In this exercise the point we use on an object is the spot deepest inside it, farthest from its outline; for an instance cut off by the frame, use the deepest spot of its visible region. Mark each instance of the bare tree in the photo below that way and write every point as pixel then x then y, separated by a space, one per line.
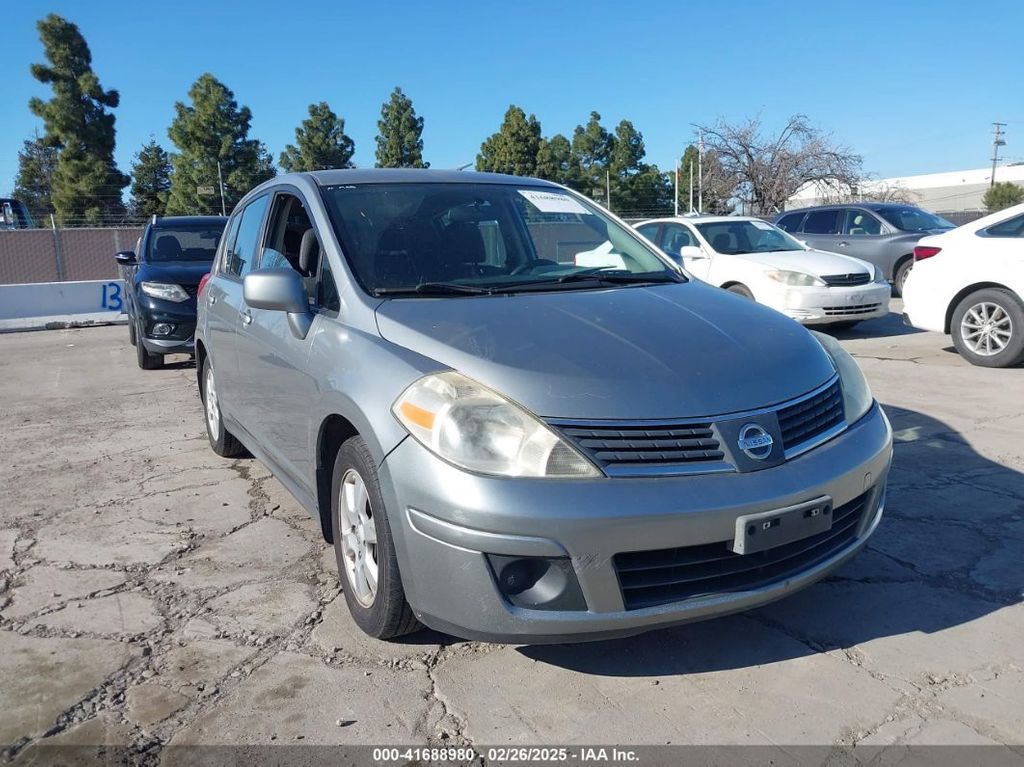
pixel 866 190
pixel 767 169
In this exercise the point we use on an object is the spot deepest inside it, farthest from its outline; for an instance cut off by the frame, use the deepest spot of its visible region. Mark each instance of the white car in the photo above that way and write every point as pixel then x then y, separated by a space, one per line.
pixel 969 282
pixel 758 260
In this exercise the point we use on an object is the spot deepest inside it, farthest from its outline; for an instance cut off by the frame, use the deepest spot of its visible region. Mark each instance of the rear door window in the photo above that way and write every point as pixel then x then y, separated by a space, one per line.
pixel 860 222
pixel 822 222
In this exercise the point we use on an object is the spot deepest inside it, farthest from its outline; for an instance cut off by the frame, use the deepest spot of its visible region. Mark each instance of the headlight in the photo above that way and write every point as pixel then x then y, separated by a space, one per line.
pixel 165 290
pixel 795 278
pixel 477 429
pixel 857 397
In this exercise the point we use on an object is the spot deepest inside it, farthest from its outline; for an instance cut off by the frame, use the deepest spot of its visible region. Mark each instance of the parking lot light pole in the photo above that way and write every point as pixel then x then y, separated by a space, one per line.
pixel 220 181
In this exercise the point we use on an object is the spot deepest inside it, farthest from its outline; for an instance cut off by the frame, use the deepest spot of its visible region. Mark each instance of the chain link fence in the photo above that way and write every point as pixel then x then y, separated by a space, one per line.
pixel 62 254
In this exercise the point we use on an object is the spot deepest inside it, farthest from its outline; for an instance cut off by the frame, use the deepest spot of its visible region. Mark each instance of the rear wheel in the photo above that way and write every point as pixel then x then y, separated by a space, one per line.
pixel 364 547
pixel 223 442
pixel 741 290
pixel 146 360
pixel 899 279
pixel 988 328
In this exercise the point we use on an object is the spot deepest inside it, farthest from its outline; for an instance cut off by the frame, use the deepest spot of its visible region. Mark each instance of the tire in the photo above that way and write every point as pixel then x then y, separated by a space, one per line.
pixel 146 360
pixel 988 328
pixel 844 325
pixel 899 278
pixel 131 333
pixel 222 442
pixel 379 609
pixel 741 290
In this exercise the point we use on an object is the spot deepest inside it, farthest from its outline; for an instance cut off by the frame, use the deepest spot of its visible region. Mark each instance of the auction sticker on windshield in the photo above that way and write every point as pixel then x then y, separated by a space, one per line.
pixel 763 225
pixel 552 202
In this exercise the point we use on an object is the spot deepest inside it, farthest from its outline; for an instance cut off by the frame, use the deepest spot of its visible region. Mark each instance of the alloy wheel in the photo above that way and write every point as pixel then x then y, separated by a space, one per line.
pixel 986 329
pixel 358 537
pixel 212 406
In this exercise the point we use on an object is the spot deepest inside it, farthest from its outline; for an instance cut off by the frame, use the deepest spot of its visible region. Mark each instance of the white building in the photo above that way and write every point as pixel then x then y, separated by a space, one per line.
pixel 953 192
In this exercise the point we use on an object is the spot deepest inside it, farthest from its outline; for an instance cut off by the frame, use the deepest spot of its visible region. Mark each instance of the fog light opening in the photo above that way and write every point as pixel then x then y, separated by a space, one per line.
pixel 162 329
pixel 538 583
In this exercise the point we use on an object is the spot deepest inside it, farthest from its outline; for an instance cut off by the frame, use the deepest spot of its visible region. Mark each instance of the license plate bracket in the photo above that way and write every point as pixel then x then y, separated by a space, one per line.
pixel 768 529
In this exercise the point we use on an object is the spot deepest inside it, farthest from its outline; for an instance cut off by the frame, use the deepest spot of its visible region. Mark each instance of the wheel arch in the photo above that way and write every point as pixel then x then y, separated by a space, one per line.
pixel 898 263
pixel 333 432
pixel 200 361
pixel 963 293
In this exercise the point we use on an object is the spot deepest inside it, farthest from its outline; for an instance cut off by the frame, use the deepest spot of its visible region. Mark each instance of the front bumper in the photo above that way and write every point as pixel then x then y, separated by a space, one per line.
pixel 446 521
pixel 817 306
pixel 181 316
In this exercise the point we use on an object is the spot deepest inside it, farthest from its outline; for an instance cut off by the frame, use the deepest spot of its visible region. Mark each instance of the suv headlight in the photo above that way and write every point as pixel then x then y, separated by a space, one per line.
pixel 857 397
pixel 477 429
pixel 800 279
pixel 165 290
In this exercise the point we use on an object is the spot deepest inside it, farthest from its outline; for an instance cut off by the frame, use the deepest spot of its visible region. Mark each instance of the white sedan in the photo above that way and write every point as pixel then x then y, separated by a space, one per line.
pixel 969 282
pixel 759 261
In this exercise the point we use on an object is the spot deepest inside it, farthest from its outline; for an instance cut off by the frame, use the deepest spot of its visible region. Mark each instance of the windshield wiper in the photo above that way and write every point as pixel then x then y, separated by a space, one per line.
pixel 436 289
pixel 609 278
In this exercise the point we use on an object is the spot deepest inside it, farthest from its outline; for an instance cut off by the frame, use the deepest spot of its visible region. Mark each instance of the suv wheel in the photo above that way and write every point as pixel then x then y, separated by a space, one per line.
pixel 899 279
pixel 223 442
pixel 364 547
pixel 988 328
pixel 741 290
pixel 131 333
pixel 146 360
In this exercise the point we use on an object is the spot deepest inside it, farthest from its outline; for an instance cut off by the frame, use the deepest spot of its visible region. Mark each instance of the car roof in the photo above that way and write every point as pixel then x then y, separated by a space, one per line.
pixel 869 205
pixel 413 176
pixel 698 219
pixel 184 222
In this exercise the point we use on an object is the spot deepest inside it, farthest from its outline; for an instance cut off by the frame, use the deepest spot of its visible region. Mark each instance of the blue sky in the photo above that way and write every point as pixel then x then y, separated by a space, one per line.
pixel 912 86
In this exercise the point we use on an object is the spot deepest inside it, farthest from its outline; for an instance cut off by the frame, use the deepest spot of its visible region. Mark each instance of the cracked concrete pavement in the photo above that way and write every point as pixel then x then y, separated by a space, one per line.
pixel 152 593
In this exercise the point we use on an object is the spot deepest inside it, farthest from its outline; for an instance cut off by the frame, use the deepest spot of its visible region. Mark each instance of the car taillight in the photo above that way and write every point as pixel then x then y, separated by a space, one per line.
pixel 921 252
pixel 202 283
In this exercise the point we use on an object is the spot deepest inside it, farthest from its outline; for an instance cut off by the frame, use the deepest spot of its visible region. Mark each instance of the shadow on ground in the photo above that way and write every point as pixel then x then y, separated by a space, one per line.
pixel 890 326
pixel 946 553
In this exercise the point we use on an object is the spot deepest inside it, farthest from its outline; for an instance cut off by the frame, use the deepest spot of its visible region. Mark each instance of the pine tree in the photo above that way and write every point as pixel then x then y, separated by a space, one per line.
pixel 86 184
pixel 37 163
pixel 555 161
pixel 399 142
pixel 213 128
pixel 151 180
pixel 637 187
pixel 591 152
pixel 320 142
pixel 514 148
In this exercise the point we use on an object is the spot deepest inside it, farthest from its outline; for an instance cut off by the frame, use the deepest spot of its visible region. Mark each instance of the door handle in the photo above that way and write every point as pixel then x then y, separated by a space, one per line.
pixel 246 317
pixel 211 300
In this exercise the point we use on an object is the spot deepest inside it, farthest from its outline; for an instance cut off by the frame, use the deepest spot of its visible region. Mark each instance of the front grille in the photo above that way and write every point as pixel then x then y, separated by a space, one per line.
pixel 624 445
pixel 811 417
pixel 843 280
pixel 650 578
pixel 833 311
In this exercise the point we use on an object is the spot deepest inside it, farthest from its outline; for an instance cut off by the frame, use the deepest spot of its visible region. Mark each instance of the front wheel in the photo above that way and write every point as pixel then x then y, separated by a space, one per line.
pixel 144 358
pixel 222 442
pixel 900 278
pixel 741 290
pixel 364 547
pixel 988 328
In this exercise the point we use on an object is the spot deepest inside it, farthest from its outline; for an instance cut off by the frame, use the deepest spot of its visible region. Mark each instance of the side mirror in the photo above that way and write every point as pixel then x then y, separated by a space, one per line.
pixel 691 251
pixel 125 258
pixel 280 290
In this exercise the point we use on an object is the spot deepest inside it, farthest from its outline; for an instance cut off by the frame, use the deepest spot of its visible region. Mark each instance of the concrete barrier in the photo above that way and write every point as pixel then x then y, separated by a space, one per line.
pixel 61 304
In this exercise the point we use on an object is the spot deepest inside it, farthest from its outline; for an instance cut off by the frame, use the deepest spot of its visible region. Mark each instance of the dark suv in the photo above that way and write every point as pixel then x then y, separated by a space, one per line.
pixel 882 233
pixel 162 280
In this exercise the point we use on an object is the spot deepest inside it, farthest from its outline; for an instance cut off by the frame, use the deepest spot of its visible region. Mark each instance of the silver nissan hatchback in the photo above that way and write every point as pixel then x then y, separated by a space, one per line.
pixel 516 420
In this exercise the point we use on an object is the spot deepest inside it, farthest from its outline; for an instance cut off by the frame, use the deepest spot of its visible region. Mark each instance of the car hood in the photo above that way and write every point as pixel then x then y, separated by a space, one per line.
pixel 816 262
pixel 177 272
pixel 666 351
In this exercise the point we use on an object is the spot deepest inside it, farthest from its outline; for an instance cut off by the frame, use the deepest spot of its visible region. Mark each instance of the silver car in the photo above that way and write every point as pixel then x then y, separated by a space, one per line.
pixel 516 421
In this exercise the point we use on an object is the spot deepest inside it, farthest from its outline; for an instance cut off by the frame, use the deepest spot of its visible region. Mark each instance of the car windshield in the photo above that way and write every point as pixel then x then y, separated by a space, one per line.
pixel 737 237
pixel 193 244
pixel 911 219
pixel 466 238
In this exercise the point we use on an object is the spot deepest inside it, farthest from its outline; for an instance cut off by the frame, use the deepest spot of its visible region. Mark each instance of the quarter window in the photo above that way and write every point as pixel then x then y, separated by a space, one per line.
pixel 1012 227
pixel 242 250
pixel 822 222
pixel 790 222
pixel 650 231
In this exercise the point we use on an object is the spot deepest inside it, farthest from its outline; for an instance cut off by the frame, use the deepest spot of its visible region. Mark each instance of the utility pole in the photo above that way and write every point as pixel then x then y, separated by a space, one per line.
pixel 675 187
pixel 700 174
pixel 691 186
pixel 997 141
pixel 608 187
pixel 220 181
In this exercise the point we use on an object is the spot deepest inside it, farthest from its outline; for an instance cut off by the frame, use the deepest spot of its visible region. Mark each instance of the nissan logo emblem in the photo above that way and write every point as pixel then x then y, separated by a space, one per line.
pixel 755 441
